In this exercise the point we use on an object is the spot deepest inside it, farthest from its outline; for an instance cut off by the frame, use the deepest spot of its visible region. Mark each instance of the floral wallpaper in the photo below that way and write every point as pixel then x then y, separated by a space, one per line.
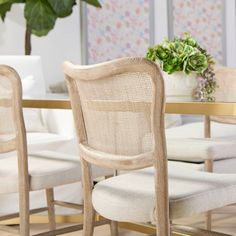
pixel 120 28
pixel 204 19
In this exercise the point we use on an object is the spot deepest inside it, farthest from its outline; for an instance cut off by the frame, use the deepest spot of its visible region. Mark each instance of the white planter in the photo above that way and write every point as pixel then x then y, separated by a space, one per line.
pixel 180 84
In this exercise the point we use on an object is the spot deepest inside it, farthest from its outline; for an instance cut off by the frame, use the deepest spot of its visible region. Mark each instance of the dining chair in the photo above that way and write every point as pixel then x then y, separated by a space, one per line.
pixel 209 150
pixel 118 109
pixel 226 81
pixel 22 173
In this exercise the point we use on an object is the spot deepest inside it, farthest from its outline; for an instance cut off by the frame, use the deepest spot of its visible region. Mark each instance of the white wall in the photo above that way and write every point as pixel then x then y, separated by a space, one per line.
pixel 63 43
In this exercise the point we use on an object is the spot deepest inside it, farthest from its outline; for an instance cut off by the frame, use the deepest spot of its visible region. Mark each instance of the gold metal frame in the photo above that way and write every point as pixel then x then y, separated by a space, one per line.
pixel 197 108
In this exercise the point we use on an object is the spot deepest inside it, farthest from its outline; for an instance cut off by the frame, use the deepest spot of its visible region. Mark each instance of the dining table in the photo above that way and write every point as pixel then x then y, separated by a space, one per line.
pixel 222 106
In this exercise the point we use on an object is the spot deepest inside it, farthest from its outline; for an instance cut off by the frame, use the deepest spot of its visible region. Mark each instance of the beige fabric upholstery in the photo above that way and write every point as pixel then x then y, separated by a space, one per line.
pixel 130 197
pixel 196 130
pixel 47 169
pixel 196 149
pixel 200 149
pixel 220 166
pixel 186 143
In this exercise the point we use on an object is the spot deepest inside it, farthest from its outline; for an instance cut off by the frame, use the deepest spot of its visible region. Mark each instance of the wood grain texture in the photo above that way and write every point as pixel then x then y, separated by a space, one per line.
pixel 51 208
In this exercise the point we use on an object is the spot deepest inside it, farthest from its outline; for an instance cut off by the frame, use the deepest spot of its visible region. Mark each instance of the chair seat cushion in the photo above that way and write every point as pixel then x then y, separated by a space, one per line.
pixel 48 141
pixel 200 149
pixel 196 130
pixel 131 197
pixel 220 166
pixel 46 169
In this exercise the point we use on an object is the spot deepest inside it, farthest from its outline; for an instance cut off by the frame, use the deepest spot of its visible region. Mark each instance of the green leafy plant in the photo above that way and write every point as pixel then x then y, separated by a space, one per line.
pixel 185 54
pixel 41 15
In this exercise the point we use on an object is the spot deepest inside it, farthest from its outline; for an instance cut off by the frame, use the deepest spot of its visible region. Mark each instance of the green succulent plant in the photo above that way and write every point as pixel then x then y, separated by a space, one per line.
pixel 179 55
pixel 185 54
pixel 41 15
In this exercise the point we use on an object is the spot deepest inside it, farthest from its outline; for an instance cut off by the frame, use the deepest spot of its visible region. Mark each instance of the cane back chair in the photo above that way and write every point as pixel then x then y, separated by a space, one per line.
pixel 209 149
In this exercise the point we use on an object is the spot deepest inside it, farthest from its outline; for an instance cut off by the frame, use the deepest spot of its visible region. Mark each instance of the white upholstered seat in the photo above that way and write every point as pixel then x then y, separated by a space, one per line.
pixel 196 130
pixel 186 142
pixel 46 169
pixel 200 149
pixel 131 197
pixel 195 149
pixel 190 144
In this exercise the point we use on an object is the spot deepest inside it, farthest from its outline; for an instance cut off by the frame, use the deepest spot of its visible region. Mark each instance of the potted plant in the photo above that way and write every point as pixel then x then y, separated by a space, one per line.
pixel 41 15
pixel 187 67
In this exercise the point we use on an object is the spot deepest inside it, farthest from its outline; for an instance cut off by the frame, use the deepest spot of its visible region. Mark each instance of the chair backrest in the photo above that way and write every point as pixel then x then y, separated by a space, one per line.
pixel 226 80
pixel 12 128
pixel 118 110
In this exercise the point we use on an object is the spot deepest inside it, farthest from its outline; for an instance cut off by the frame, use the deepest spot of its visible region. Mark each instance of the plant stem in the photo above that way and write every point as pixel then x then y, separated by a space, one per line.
pixel 28 40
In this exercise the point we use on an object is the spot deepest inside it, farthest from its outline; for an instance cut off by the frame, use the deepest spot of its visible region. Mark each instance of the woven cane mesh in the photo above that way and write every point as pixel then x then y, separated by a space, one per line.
pixel 226 81
pixel 116 112
pixel 7 130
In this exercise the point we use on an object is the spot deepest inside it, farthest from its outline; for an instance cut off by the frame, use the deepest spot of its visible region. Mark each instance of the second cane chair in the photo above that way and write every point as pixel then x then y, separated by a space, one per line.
pixel 210 150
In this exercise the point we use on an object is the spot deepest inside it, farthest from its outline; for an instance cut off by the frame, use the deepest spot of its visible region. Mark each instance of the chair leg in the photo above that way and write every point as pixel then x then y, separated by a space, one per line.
pixel 114 228
pixel 208 167
pixel 208 220
pixel 89 213
pixel 51 208
pixel 88 224
pixel 24 213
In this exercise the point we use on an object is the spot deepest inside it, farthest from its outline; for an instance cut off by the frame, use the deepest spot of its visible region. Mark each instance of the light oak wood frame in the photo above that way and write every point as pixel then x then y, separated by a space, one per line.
pixel 19 144
pixel 158 156
pixel 221 72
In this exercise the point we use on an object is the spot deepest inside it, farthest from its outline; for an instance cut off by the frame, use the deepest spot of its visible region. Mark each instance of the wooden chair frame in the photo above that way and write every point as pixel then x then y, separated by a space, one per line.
pixel 106 70
pixel 209 164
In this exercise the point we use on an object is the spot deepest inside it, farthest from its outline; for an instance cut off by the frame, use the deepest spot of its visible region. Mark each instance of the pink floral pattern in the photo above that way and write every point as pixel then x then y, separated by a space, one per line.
pixel 204 20
pixel 120 28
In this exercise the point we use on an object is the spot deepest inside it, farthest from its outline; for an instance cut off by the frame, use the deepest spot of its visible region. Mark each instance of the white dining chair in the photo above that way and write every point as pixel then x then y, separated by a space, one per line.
pixel 118 109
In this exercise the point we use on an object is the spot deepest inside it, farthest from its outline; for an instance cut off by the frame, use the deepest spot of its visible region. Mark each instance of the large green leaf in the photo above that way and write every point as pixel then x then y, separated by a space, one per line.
pixel 4 1
pixel 95 3
pixel 10 1
pixel 5 6
pixel 62 8
pixel 40 16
